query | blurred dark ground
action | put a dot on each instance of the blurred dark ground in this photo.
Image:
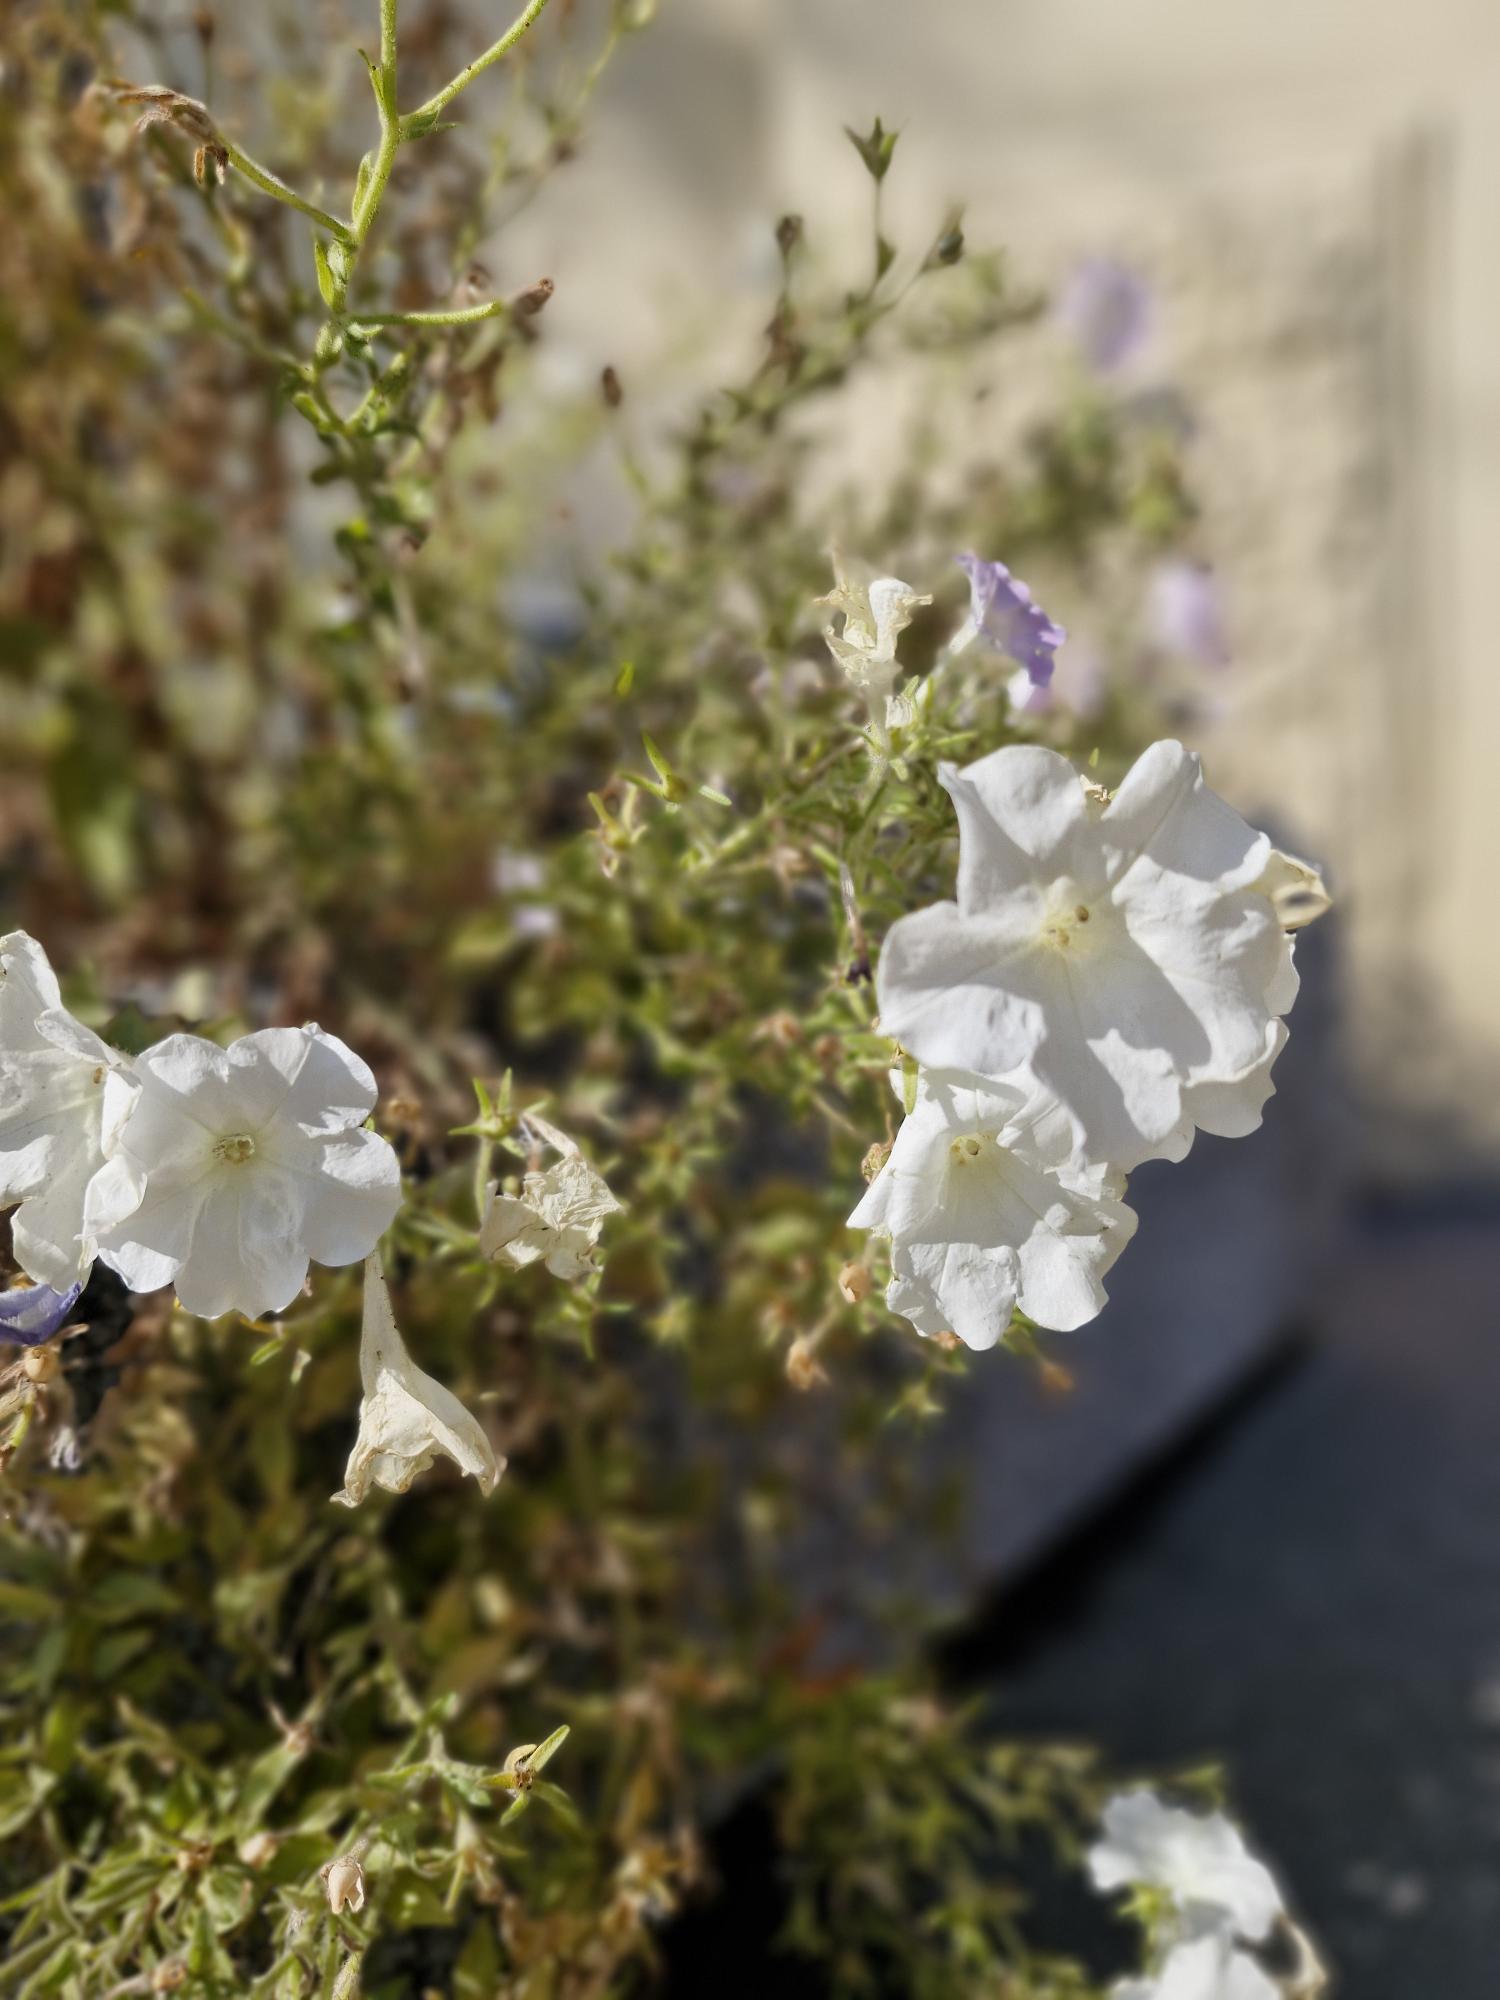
(1307, 1591)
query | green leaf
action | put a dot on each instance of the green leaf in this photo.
(874, 148)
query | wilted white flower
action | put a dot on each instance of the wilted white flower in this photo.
(876, 610)
(984, 1213)
(1200, 1861)
(53, 1072)
(1208, 1969)
(405, 1417)
(558, 1215)
(344, 1880)
(232, 1168)
(1120, 953)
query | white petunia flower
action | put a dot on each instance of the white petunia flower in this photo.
(558, 1215)
(1208, 1969)
(984, 1213)
(1199, 1860)
(233, 1168)
(405, 1417)
(1121, 953)
(876, 610)
(53, 1129)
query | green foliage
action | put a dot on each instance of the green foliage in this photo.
(271, 711)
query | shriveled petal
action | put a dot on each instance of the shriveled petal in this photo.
(559, 1217)
(1022, 819)
(1298, 893)
(406, 1418)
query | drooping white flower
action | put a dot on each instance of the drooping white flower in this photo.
(53, 1129)
(558, 1215)
(233, 1168)
(1119, 952)
(405, 1417)
(985, 1212)
(1210, 1968)
(875, 610)
(1199, 1860)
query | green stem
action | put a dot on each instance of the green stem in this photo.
(459, 316)
(425, 113)
(268, 183)
(383, 77)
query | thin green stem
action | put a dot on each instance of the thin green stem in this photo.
(268, 183)
(412, 123)
(383, 78)
(459, 316)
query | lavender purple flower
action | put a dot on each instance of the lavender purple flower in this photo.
(30, 1314)
(1005, 612)
(1105, 307)
(1186, 612)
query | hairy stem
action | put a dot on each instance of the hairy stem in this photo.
(383, 78)
(268, 183)
(425, 113)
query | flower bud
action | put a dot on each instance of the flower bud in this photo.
(854, 1284)
(802, 1368)
(40, 1364)
(259, 1850)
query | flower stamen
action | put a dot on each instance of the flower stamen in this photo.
(235, 1148)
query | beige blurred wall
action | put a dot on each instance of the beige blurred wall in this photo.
(1317, 185)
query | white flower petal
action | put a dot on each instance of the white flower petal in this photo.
(1208, 1969)
(980, 1220)
(248, 1253)
(236, 1166)
(1164, 811)
(965, 995)
(1199, 1859)
(1021, 812)
(406, 1418)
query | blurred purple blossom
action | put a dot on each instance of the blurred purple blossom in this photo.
(1105, 308)
(30, 1314)
(1005, 612)
(1185, 612)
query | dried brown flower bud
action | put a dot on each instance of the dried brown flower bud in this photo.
(40, 1364)
(610, 388)
(170, 1976)
(518, 1766)
(875, 1158)
(854, 1284)
(788, 234)
(534, 297)
(949, 1342)
(803, 1370)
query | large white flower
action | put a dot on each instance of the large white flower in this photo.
(234, 1167)
(876, 610)
(1210, 1968)
(1124, 953)
(984, 1213)
(557, 1217)
(53, 1072)
(405, 1417)
(1200, 1861)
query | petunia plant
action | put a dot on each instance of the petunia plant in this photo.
(621, 882)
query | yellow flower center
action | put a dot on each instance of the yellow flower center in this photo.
(235, 1148)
